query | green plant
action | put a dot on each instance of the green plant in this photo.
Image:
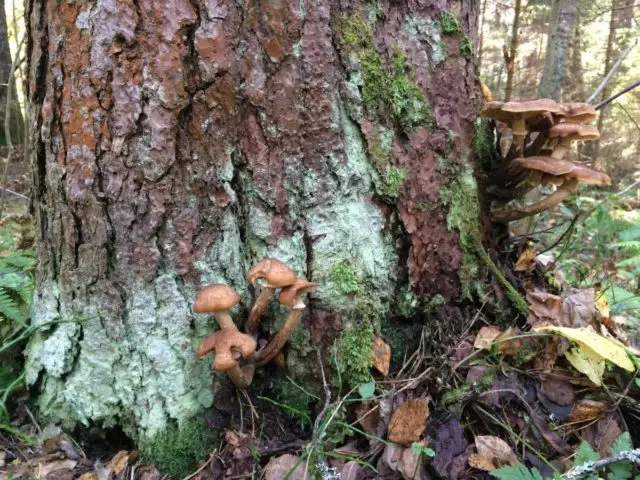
(176, 450)
(344, 279)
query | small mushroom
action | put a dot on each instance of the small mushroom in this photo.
(291, 296)
(516, 114)
(217, 299)
(551, 171)
(567, 132)
(225, 343)
(277, 275)
(577, 113)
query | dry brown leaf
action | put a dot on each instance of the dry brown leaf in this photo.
(527, 260)
(509, 347)
(350, 471)
(558, 391)
(279, 467)
(408, 421)
(580, 307)
(545, 308)
(119, 462)
(89, 476)
(481, 463)
(368, 417)
(585, 410)
(45, 469)
(495, 449)
(485, 337)
(381, 356)
(411, 465)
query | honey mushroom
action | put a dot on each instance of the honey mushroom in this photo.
(550, 171)
(567, 132)
(225, 343)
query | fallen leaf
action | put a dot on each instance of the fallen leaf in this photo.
(509, 347)
(369, 418)
(602, 305)
(381, 356)
(526, 262)
(481, 463)
(585, 361)
(485, 337)
(495, 449)
(450, 446)
(45, 469)
(287, 464)
(411, 465)
(545, 308)
(580, 309)
(585, 410)
(89, 476)
(600, 345)
(350, 471)
(118, 462)
(558, 391)
(408, 421)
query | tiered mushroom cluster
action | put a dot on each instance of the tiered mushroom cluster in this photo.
(237, 353)
(543, 132)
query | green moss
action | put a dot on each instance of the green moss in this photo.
(406, 97)
(176, 450)
(483, 145)
(382, 90)
(449, 25)
(395, 177)
(353, 351)
(431, 303)
(344, 279)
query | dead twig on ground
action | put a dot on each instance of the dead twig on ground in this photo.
(590, 468)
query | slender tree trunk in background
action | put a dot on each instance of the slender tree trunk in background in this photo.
(594, 150)
(481, 35)
(576, 88)
(177, 142)
(16, 120)
(511, 52)
(561, 28)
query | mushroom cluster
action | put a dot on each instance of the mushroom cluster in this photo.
(543, 131)
(237, 353)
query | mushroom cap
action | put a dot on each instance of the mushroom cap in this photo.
(574, 131)
(532, 107)
(216, 297)
(564, 168)
(223, 343)
(290, 296)
(274, 271)
(577, 112)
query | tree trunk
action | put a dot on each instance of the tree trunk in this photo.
(481, 35)
(16, 123)
(179, 142)
(561, 29)
(511, 52)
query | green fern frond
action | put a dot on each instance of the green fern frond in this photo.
(10, 309)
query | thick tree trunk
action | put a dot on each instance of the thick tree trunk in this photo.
(561, 28)
(16, 123)
(178, 142)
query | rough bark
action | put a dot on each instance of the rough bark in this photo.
(16, 121)
(561, 28)
(178, 142)
(511, 53)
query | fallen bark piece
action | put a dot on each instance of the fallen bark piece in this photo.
(408, 421)
(381, 356)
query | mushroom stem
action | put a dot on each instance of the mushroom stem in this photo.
(241, 377)
(224, 320)
(265, 355)
(561, 149)
(259, 307)
(547, 202)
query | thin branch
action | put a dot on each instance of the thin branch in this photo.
(7, 121)
(590, 468)
(614, 69)
(19, 195)
(633, 120)
(606, 102)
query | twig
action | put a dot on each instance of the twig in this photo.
(626, 112)
(606, 102)
(590, 468)
(7, 120)
(205, 465)
(8, 190)
(614, 69)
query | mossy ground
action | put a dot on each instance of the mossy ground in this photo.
(176, 450)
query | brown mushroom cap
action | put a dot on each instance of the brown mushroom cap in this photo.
(223, 343)
(574, 131)
(274, 271)
(565, 169)
(216, 297)
(577, 112)
(506, 111)
(290, 296)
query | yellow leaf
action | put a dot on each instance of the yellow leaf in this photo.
(585, 361)
(600, 345)
(603, 305)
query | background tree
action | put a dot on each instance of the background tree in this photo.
(179, 142)
(16, 121)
